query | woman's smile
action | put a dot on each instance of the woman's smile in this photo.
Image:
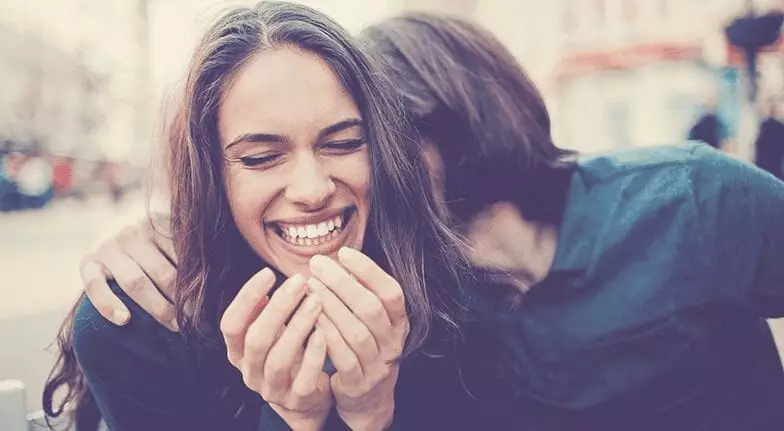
(317, 234)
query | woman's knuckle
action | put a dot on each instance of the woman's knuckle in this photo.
(394, 300)
(299, 392)
(276, 368)
(254, 348)
(250, 382)
(370, 308)
(360, 337)
(229, 327)
(233, 358)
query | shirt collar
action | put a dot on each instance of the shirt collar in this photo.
(577, 235)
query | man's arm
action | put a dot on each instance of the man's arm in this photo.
(139, 256)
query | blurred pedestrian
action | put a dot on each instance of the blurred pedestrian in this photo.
(709, 128)
(112, 175)
(63, 175)
(10, 197)
(35, 180)
(769, 146)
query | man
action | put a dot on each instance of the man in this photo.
(770, 144)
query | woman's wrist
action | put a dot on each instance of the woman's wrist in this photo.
(378, 419)
(299, 421)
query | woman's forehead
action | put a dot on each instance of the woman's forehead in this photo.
(286, 91)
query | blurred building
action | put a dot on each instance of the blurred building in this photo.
(618, 73)
(82, 76)
(636, 73)
(75, 77)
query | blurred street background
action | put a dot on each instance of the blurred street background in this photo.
(81, 83)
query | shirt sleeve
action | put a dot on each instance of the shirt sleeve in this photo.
(141, 375)
(135, 373)
(271, 421)
(742, 213)
(434, 393)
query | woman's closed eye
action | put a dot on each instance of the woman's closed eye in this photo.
(344, 146)
(268, 160)
(260, 160)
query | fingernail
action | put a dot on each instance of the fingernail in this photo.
(346, 252)
(120, 317)
(313, 302)
(295, 284)
(312, 285)
(265, 276)
(318, 336)
(174, 326)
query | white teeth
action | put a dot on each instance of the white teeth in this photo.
(323, 229)
(312, 234)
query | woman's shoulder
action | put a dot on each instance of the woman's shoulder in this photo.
(95, 338)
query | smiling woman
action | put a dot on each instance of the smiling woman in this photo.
(287, 154)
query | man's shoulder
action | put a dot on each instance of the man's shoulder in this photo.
(647, 179)
(625, 186)
(662, 163)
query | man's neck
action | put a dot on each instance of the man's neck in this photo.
(501, 238)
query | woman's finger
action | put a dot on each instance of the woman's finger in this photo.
(342, 356)
(264, 332)
(362, 302)
(385, 287)
(283, 355)
(352, 330)
(243, 311)
(310, 379)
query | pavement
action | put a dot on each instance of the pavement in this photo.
(39, 261)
